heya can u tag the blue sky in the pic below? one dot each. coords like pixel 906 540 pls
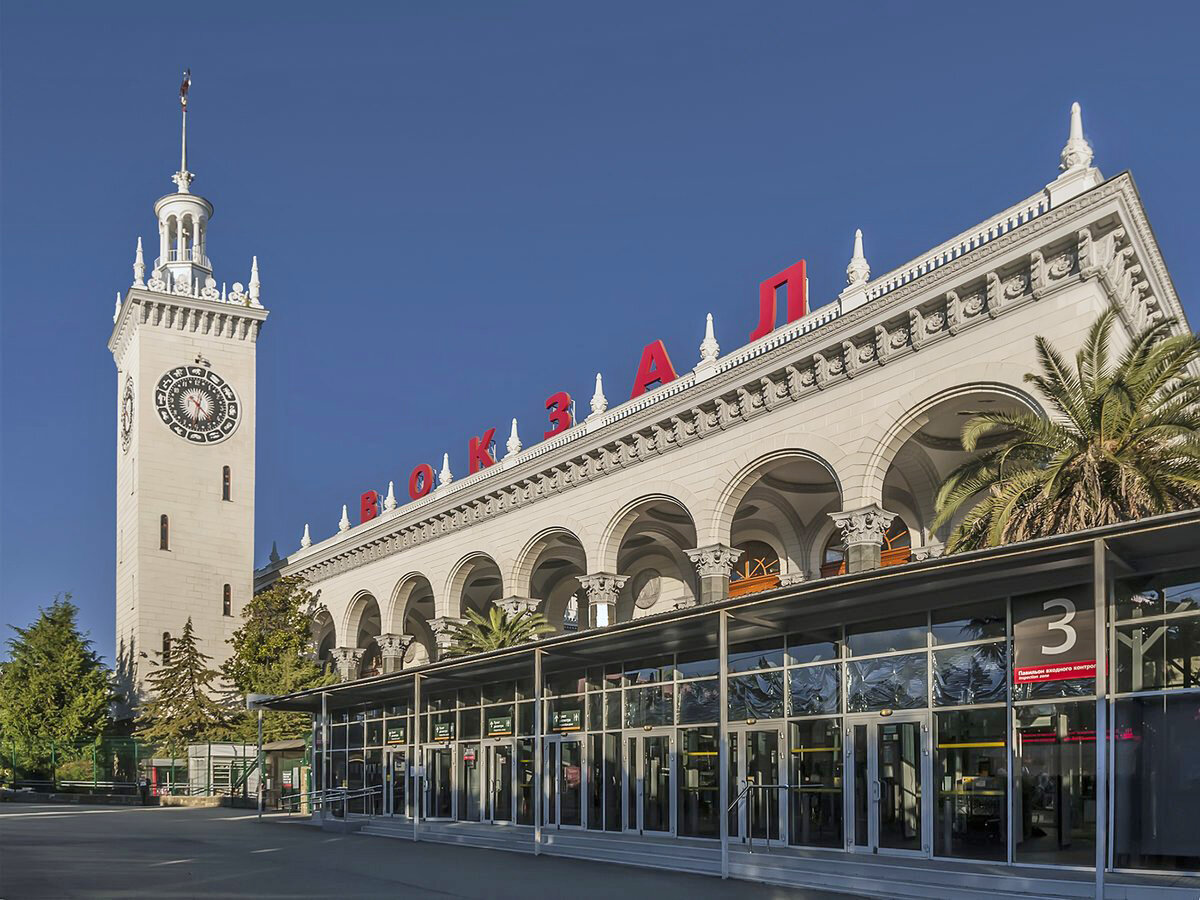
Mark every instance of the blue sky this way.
pixel 461 209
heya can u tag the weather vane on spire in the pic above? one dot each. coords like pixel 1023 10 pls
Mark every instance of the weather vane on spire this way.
pixel 183 178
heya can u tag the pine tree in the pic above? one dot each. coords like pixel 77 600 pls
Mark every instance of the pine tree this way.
pixel 54 690
pixel 183 710
pixel 274 653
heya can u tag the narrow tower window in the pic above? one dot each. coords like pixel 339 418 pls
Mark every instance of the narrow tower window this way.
pixel 226 484
pixel 166 650
pixel 164 533
pixel 227 602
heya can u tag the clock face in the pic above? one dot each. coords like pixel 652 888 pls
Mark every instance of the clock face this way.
pixel 127 415
pixel 197 404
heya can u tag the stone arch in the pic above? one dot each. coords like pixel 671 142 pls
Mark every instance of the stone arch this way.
pixel 521 570
pixel 614 533
pixel 360 606
pixel 908 414
pixel 409 587
pixel 469 586
pixel 324 633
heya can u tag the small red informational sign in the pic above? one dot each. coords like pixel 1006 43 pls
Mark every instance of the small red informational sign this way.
pixel 468 755
pixel 1055 672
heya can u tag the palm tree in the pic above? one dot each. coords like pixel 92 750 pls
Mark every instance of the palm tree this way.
pixel 1122 442
pixel 497 630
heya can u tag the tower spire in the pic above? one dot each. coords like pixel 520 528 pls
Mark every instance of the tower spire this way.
pixel 183 178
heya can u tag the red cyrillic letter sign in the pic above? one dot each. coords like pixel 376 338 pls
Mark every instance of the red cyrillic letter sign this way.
pixel 797 298
pixel 368 507
pixel 560 413
pixel 655 366
pixel 477 451
pixel 420 482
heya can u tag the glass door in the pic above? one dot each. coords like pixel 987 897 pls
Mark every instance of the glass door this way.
pixel 395 789
pixel 501 771
pixel 649 794
pixel 564 782
pixel 470 778
pixel 888 761
pixel 439 788
pixel 758 767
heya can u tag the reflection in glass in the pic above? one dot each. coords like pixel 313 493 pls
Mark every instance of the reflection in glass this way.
pixel 1055 809
pixel 898 745
pixel 570 783
pixel 469 782
pixel 1157 594
pixel 525 782
pixel 889 682
pixel 756 696
pixel 656 783
pixel 815 646
pixel 1157 782
pixel 902 633
pixel 649 706
pixel 1161 654
pixel 814 690
pixel 595 817
pixel 697 664
pixel 968 675
pixel 699 796
pixel 762 768
pixel 501 776
pixel 612 782
pixel 699 701
pixel 648 671
pixel 752 655
pixel 1054 690
pixel 960 624
pixel 440 800
pixel 972 784
pixel 815 776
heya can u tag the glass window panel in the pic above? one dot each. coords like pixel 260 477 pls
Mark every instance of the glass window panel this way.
pixel 699 793
pixel 967 675
pixel 500 692
pixel 469 724
pixel 524 688
pixel 761 654
pixel 697 664
pixel 1157 782
pixel 354 735
pixel 648 671
pixel 884 636
pixel 374 712
pixel 595 678
pixel 1054 690
pixel 498 720
pixel 814 690
pixel 815 776
pixel 972 784
pixel 699 701
pixel 560 683
pixel 398 709
pixel 649 706
pixel 468 696
pixel 375 733
pixel 564 714
pixel 816 646
pixel 1153 595
pixel 976 622
pixel 444 700
pixel 525 713
pixel 889 682
pixel 595 711
pixel 337 737
pixel 1160 654
pixel 613 673
pixel 1054 811
pixel 757 696
pixel 612 709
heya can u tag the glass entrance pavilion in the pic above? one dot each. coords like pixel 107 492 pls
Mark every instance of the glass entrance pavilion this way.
pixel 1037 705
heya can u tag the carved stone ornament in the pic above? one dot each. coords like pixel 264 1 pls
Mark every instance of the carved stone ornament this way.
pixel 715 559
pixel 647 588
pixel 514 606
pixel 394 646
pixel 602 587
pixel 346 660
pixel 935 322
pixel 1061 265
pixel 1014 286
pixel 156 282
pixel 973 305
pixel 867 525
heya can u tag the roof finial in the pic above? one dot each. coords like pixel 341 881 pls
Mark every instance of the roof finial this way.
pixel 444 476
pixel 305 539
pixel 183 178
pixel 344 523
pixel 514 441
pixel 709 348
pixel 858 271
pixel 254 285
pixel 139 266
pixel 599 401
pixel 274 552
pixel 389 502
pixel 117 309
pixel 1077 154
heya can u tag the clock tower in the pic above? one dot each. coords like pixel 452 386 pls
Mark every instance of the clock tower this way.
pixel 185 356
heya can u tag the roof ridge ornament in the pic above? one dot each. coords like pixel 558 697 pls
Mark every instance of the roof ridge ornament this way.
pixel 858 273
pixel 1078 152
pixel 344 522
pixel 514 442
pixel 599 401
pixel 445 476
pixel 139 266
pixel 389 502
pixel 305 539
pixel 183 178
pixel 1075 162
pixel 709 348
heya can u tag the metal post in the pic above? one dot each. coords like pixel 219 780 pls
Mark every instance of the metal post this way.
pixel 324 750
pixel 93 768
pixel 1100 602
pixel 416 769
pixel 260 766
pixel 539 769
pixel 723 732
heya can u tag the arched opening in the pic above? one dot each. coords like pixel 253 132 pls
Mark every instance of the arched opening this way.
pixel 477 584
pixel 324 635
pixel 654 535
pixel 413 608
pixel 896 549
pixel 366 627
pixel 556 561
pixel 775 512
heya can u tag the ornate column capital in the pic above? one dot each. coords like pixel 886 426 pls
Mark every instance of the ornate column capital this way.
pixel 513 606
pixel 715 559
pixel 866 525
pixel 346 660
pixel 441 628
pixel 602 589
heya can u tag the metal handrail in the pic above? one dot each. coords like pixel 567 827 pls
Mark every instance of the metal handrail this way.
pixel 750 786
pixel 342 795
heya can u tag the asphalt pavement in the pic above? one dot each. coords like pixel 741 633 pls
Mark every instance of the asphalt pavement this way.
pixel 55 851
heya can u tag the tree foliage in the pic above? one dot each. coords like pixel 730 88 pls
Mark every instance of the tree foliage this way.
pixel 54 689
pixel 274 653
pixel 497 630
pixel 183 708
pixel 1122 442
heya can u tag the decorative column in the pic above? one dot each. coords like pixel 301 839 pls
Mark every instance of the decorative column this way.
pixel 602 589
pixel 862 533
pixel 442 628
pixel 392 648
pixel 346 660
pixel 713 564
pixel 513 606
